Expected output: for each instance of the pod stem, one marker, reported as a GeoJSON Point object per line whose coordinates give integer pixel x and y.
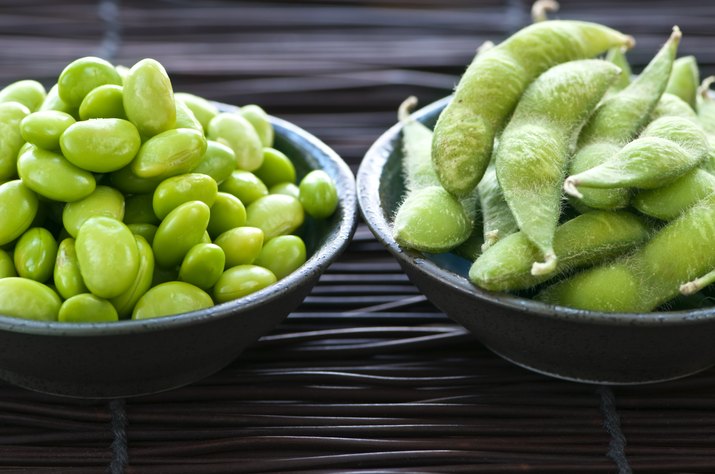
{"type": "Point", "coordinates": [406, 107]}
{"type": "Point", "coordinates": [546, 267]}
{"type": "Point", "coordinates": [704, 89]}
{"type": "Point", "coordinates": [570, 184]}
{"type": "Point", "coordinates": [540, 8]}
{"type": "Point", "coordinates": [490, 238]}
{"type": "Point", "coordinates": [698, 284]}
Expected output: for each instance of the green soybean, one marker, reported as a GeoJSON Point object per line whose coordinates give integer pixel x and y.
{"type": "Point", "coordinates": [171, 298]}
{"type": "Point", "coordinates": [245, 186]}
{"type": "Point", "coordinates": [180, 230]}
{"type": "Point", "coordinates": [18, 208]}
{"type": "Point", "coordinates": [490, 88]}
{"type": "Point", "coordinates": [169, 153]}
{"type": "Point", "coordinates": [318, 195]}
{"type": "Point", "coordinates": [27, 92]}
{"type": "Point", "coordinates": [53, 102]}
{"type": "Point", "coordinates": [618, 119]}
{"type": "Point", "coordinates": [139, 209]}
{"type": "Point", "coordinates": [105, 101]}
{"type": "Point", "coordinates": [586, 239]}
{"type": "Point", "coordinates": [44, 128]}
{"type": "Point", "coordinates": [240, 245]}
{"type": "Point", "coordinates": [79, 77]}
{"type": "Point", "coordinates": [127, 182]}
{"type": "Point", "coordinates": [685, 79]}
{"type": "Point", "coordinates": [219, 161]}
{"type": "Point", "coordinates": [11, 116]}
{"type": "Point", "coordinates": [289, 189]}
{"type": "Point", "coordinates": [7, 265]}
{"type": "Point", "coordinates": [669, 201]}
{"type": "Point", "coordinates": [667, 149]}
{"type": "Point", "coordinates": [185, 118]}
{"type": "Point", "coordinates": [183, 188]}
{"type": "Point", "coordinates": [227, 212]}
{"type": "Point", "coordinates": [147, 231]}
{"type": "Point", "coordinates": [108, 256]}
{"type": "Point", "coordinates": [104, 201]}
{"type": "Point", "coordinates": [203, 265]}
{"type": "Point", "coordinates": [276, 168]}
{"type": "Point", "coordinates": [234, 131]}
{"type": "Point", "coordinates": [241, 280]}
{"type": "Point", "coordinates": [148, 98]}
{"type": "Point", "coordinates": [679, 252]}
{"type": "Point", "coordinates": [86, 308]}
{"type": "Point", "coordinates": [275, 214]}
{"type": "Point", "coordinates": [261, 122]}
{"type": "Point", "coordinates": [203, 110]}
{"type": "Point", "coordinates": [29, 299]}
{"type": "Point", "coordinates": [66, 273]}
{"type": "Point", "coordinates": [531, 158]}
{"type": "Point", "coordinates": [35, 254]}
{"type": "Point", "coordinates": [282, 255]}
{"type": "Point", "coordinates": [50, 175]}
{"type": "Point", "coordinates": [126, 301]}
{"type": "Point", "coordinates": [100, 145]}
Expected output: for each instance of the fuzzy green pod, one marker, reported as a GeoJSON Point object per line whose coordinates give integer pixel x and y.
{"type": "Point", "coordinates": [531, 158]}
{"type": "Point", "coordinates": [490, 88]}
{"type": "Point", "coordinates": [617, 56]}
{"type": "Point", "coordinates": [430, 219]}
{"type": "Point", "coordinates": [618, 119]}
{"type": "Point", "coordinates": [678, 253]}
{"type": "Point", "coordinates": [497, 219]}
{"type": "Point", "coordinates": [669, 201]}
{"type": "Point", "coordinates": [685, 79]}
{"type": "Point", "coordinates": [667, 149]}
{"type": "Point", "coordinates": [671, 105]}
{"type": "Point", "coordinates": [586, 239]}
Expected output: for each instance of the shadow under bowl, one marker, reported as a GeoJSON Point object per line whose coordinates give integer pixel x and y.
{"type": "Point", "coordinates": [129, 358]}
{"type": "Point", "coordinates": [578, 345]}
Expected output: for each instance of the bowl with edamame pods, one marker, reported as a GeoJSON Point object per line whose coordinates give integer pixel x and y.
{"type": "Point", "coordinates": [594, 346]}
{"type": "Point", "coordinates": [149, 237]}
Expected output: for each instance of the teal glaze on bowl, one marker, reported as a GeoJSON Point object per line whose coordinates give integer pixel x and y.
{"type": "Point", "coordinates": [585, 346]}
{"type": "Point", "coordinates": [128, 358]}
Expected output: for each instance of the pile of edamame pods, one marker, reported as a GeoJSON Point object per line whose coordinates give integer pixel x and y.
{"type": "Point", "coordinates": [121, 199]}
{"type": "Point", "coordinates": [566, 178]}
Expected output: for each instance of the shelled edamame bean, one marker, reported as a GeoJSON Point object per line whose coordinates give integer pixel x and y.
{"type": "Point", "coordinates": [121, 199]}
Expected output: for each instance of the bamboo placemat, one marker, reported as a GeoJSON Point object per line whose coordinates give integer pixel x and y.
{"type": "Point", "coordinates": [366, 375]}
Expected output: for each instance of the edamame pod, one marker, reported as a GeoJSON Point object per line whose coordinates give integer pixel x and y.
{"type": "Point", "coordinates": [497, 219]}
{"type": "Point", "coordinates": [586, 239]}
{"type": "Point", "coordinates": [678, 253]}
{"type": "Point", "coordinates": [667, 149]}
{"type": "Point", "coordinates": [617, 56]}
{"type": "Point", "coordinates": [685, 79]}
{"type": "Point", "coordinates": [669, 201]}
{"type": "Point", "coordinates": [618, 119]}
{"type": "Point", "coordinates": [532, 155]}
{"type": "Point", "coordinates": [489, 91]}
{"type": "Point", "coordinates": [429, 219]}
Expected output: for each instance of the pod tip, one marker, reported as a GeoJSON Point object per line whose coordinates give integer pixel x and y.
{"type": "Point", "coordinates": [570, 187]}
{"type": "Point", "coordinates": [545, 267]}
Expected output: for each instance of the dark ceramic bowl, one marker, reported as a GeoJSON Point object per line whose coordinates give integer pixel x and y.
{"type": "Point", "coordinates": [126, 358]}
{"type": "Point", "coordinates": [587, 346]}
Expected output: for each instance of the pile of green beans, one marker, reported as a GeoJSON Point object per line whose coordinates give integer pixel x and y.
{"type": "Point", "coordinates": [594, 187]}
{"type": "Point", "coordinates": [122, 199]}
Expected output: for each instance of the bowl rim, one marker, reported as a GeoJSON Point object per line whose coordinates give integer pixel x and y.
{"type": "Point", "coordinates": [368, 179]}
{"type": "Point", "coordinates": [347, 211]}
